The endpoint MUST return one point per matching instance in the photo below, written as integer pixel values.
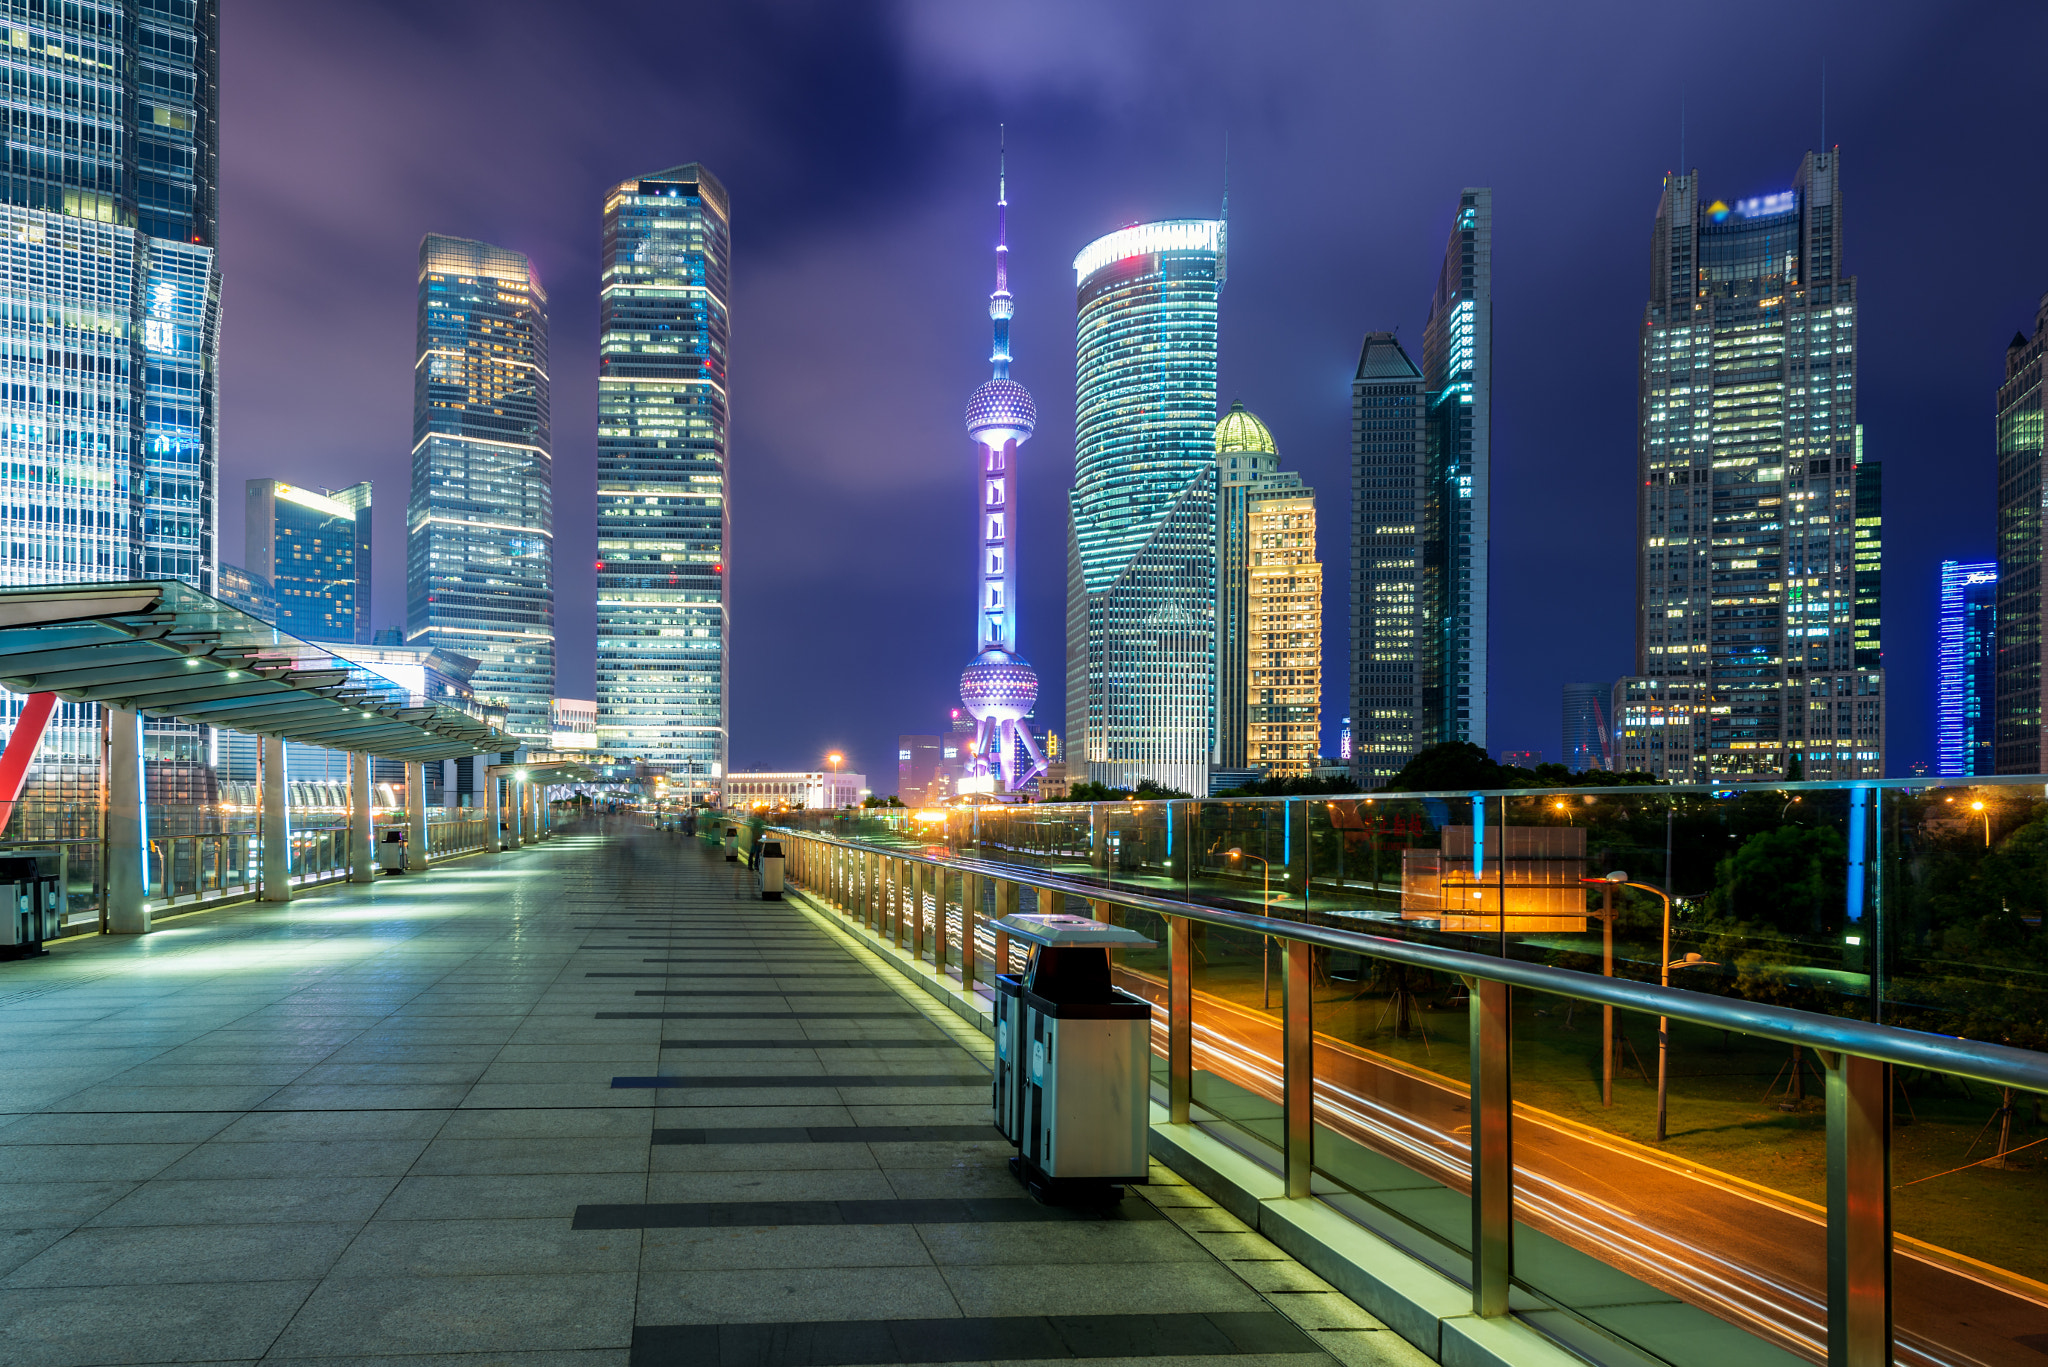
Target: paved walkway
(587, 1103)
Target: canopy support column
(416, 815)
(127, 827)
(277, 824)
(362, 835)
(494, 783)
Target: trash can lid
(1060, 929)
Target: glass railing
(1692, 1159)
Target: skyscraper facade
(663, 610)
(479, 551)
(1396, 699)
(1141, 531)
(1748, 485)
(2021, 745)
(1457, 371)
(1966, 657)
(1269, 605)
(109, 335)
(304, 544)
(1588, 734)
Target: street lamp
(1665, 964)
(1265, 909)
(1978, 806)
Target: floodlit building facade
(1966, 646)
(828, 791)
(2021, 745)
(309, 547)
(662, 529)
(479, 553)
(1141, 543)
(1659, 727)
(1269, 605)
(1751, 575)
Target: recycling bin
(31, 907)
(732, 844)
(768, 866)
(391, 852)
(1079, 1051)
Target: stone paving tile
(256, 1200)
(462, 1314)
(204, 1322)
(787, 1295)
(464, 1248)
(160, 1254)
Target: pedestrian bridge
(594, 1100)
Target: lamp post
(1664, 966)
(1978, 806)
(1265, 909)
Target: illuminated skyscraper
(1588, 736)
(1457, 372)
(1141, 543)
(1751, 580)
(662, 605)
(1269, 606)
(2021, 746)
(479, 550)
(1965, 722)
(1395, 705)
(109, 341)
(304, 544)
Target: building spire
(1000, 304)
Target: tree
(1459, 766)
(1793, 878)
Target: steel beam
(1493, 1164)
(1859, 1146)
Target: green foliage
(890, 801)
(1146, 791)
(1298, 785)
(1459, 766)
(1791, 878)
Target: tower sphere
(1000, 411)
(998, 685)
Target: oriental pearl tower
(998, 686)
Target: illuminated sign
(1757, 206)
(160, 328)
(1145, 239)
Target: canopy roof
(168, 650)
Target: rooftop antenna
(1223, 232)
(1823, 104)
(1681, 134)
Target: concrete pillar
(497, 816)
(127, 828)
(277, 824)
(416, 816)
(362, 835)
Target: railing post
(1006, 905)
(970, 911)
(1859, 1211)
(1180, 1018)
(941, 931)
(1493, 1162)
(1297, 1063)
(917, 880)
(892, 929)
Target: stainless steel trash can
(732, 844)
(391, 852)
(31, 910)
(1080, 1060)
(768, 869)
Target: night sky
(858, 143)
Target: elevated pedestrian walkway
(592, 1101)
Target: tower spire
(1000, 304)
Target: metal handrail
(881, 885)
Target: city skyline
(1589, 200)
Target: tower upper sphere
(1001, 411)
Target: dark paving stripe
(811, 1080)
(835, 1134)
(883, 1042)
(1007, 1338)
(754, 992)
(757, 1015)
(976, 1210)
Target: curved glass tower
(1141, 581)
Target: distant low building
(817, 791)
(574, 724)
(1526, 759)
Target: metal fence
(1371, 1136)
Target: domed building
(1269, 609)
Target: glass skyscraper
(1965, 722)
(1394, 638)
(1269, 606)
(108, 329)
(662, 604)
(1588, 734)
(479, 553)
(2021, 745)
(1751, 573)
(305, 545)
(1457, 372)
(1141, 543)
